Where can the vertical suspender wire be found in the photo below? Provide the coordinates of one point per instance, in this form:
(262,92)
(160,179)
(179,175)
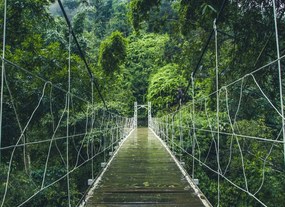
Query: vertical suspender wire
(135,115)
(172,134)
(218,108)
(67,117)
(92,125)
(105,135)
(163,129)
(193,125)
(149,113)
(114,130)
(2,73)
(167,128)
(180,132)
(279,74)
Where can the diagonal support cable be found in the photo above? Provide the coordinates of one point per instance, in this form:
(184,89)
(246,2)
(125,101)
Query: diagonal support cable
(279,73)
(82,54)
(3,72)
(206,45)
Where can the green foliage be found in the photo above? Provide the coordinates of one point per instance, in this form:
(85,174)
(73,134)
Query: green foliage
(112,53)
(24,24)
(164,20)
(145,56)
(78,23)
(71,4)
(195,14)
(139,11)
(119,20)
(155,65)
(165,85)
(235,152)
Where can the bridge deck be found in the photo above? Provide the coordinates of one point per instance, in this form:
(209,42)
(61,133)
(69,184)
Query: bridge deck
(143,174)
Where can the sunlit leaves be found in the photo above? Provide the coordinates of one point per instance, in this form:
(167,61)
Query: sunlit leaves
(145,56)
(112,53)
(165,86)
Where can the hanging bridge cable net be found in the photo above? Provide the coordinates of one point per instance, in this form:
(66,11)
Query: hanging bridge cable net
(51,142)
(48,106)
(227,133)
(18,141)
(53,124)
(251,74)
(279,72)
(264,165)
(61,178)
(82,55)
(2,73)
(241,152)
(55,128)
(210,168)
(87,135)
(44,80)
(233,130)
(16,115)
(236,145)
(43,185)
(227,179)
(212,134)
(234,134)
(156,122)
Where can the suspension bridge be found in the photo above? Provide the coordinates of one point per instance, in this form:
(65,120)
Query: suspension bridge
(136,180)
(112,162)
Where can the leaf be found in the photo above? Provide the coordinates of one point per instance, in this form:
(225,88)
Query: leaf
(146,184)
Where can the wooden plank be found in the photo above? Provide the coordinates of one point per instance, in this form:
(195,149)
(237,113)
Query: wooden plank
(143,174)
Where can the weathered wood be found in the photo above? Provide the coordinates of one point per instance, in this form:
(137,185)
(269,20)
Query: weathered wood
(143,174)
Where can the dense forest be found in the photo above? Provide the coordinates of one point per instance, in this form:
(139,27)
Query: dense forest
(162,51)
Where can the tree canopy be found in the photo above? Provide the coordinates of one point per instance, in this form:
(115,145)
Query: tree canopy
(145,50)
(112,53)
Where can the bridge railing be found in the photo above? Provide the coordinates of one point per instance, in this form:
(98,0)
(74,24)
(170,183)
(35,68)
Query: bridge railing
(232,139)
(231,153)
(48,147)
(55,135)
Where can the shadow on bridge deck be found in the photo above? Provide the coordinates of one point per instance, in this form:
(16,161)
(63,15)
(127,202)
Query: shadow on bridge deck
(143,173)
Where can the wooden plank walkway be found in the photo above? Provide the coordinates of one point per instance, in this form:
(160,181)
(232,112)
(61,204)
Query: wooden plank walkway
(143,173)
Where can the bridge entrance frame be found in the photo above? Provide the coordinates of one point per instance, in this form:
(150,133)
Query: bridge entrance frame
(137,107)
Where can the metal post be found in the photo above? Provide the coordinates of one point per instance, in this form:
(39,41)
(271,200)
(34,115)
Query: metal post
(180,133)
(149,114)
(167,135)
(172,134)
(135,114)
(92,125)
